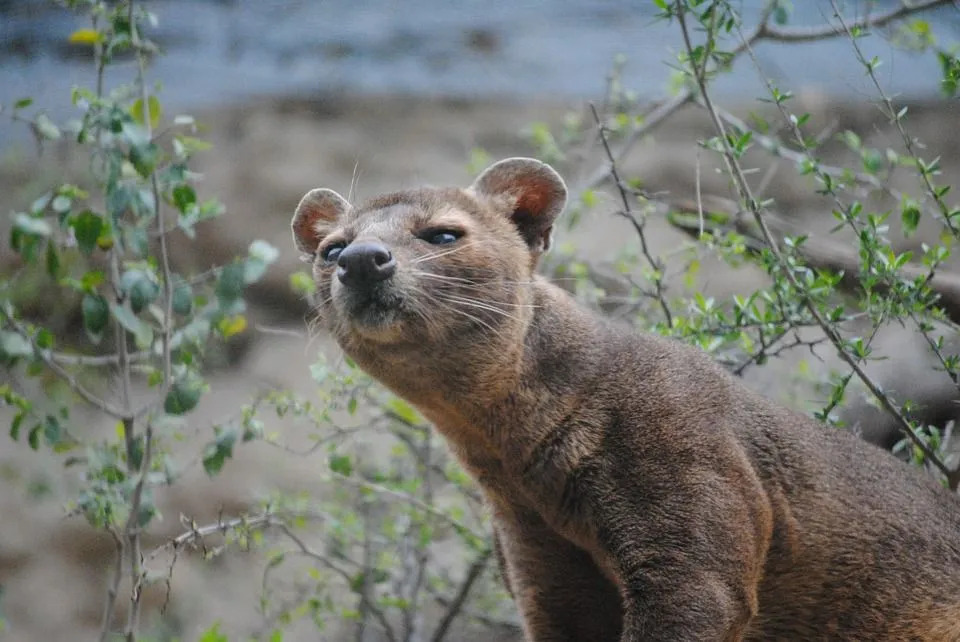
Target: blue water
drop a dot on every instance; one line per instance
(218, 51)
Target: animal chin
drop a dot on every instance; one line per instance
(370, 314)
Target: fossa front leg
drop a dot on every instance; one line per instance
(689, 559)
(561, 594)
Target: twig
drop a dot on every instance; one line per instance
(112, 588)
(455, 607)
(655, 265)
(821, 32)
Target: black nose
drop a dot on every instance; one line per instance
(365, 263)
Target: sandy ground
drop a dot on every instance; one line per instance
(266, 154)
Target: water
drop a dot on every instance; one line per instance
(221, 51)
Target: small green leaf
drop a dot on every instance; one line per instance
(144, 158)
(44, 339)
(153, 108)
(341, 464)
(33, 437)
(52, 260)
(140, 287)
(96, 313)
(15, 426)
(45, 128)
(232, 325)
(302, 283)
(183, 197)
(182, 298)
(217, 452)
(910, 215)
(31, 226)
(51, 430)
(184, 395)
(128, 319)
(213, 634)
(13, 345)
(22, 103)
(262, 254)
(404, 411)
(230, 284)
(87, 227)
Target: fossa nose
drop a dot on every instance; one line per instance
(365, 263)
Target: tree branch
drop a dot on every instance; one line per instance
(456, 604)
(746, 196)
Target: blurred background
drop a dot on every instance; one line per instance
(218, 51)
(366, 97)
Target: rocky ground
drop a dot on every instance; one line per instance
(266, 155)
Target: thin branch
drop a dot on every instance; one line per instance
(95, 361)
(112, 587)
(455, 607)
(821, 32)
(655, 264)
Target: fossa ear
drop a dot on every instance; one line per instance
(318, 210)
(530, 192)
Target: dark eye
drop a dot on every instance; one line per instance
(332, 251)
(441, 237)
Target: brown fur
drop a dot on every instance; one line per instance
(638, 491)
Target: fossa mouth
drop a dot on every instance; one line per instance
(370, 310)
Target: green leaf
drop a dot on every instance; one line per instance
(404, 411)
(182, 298)
(232, 325)
(144, 158)
(262, 254)
(51, 430)
(230, 284)
(96, 313)
(15, 426)
(153, 108)
(910, 215)
(216, 453)
(140, 287)
(44, 339)
(184, 394)
(302, 283)
(45, 128)
(87, 227)
(33, 437)
(31, 226)
(22, 103)
(126, 318)
(14, 345)
(52, 260)
(213, 634)
(341, 464)
(183, 197)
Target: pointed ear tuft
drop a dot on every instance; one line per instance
(532, 193)
(317, 208)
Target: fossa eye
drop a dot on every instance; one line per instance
(332, 252)
(442, 237)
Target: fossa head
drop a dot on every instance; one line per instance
(431, 267)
